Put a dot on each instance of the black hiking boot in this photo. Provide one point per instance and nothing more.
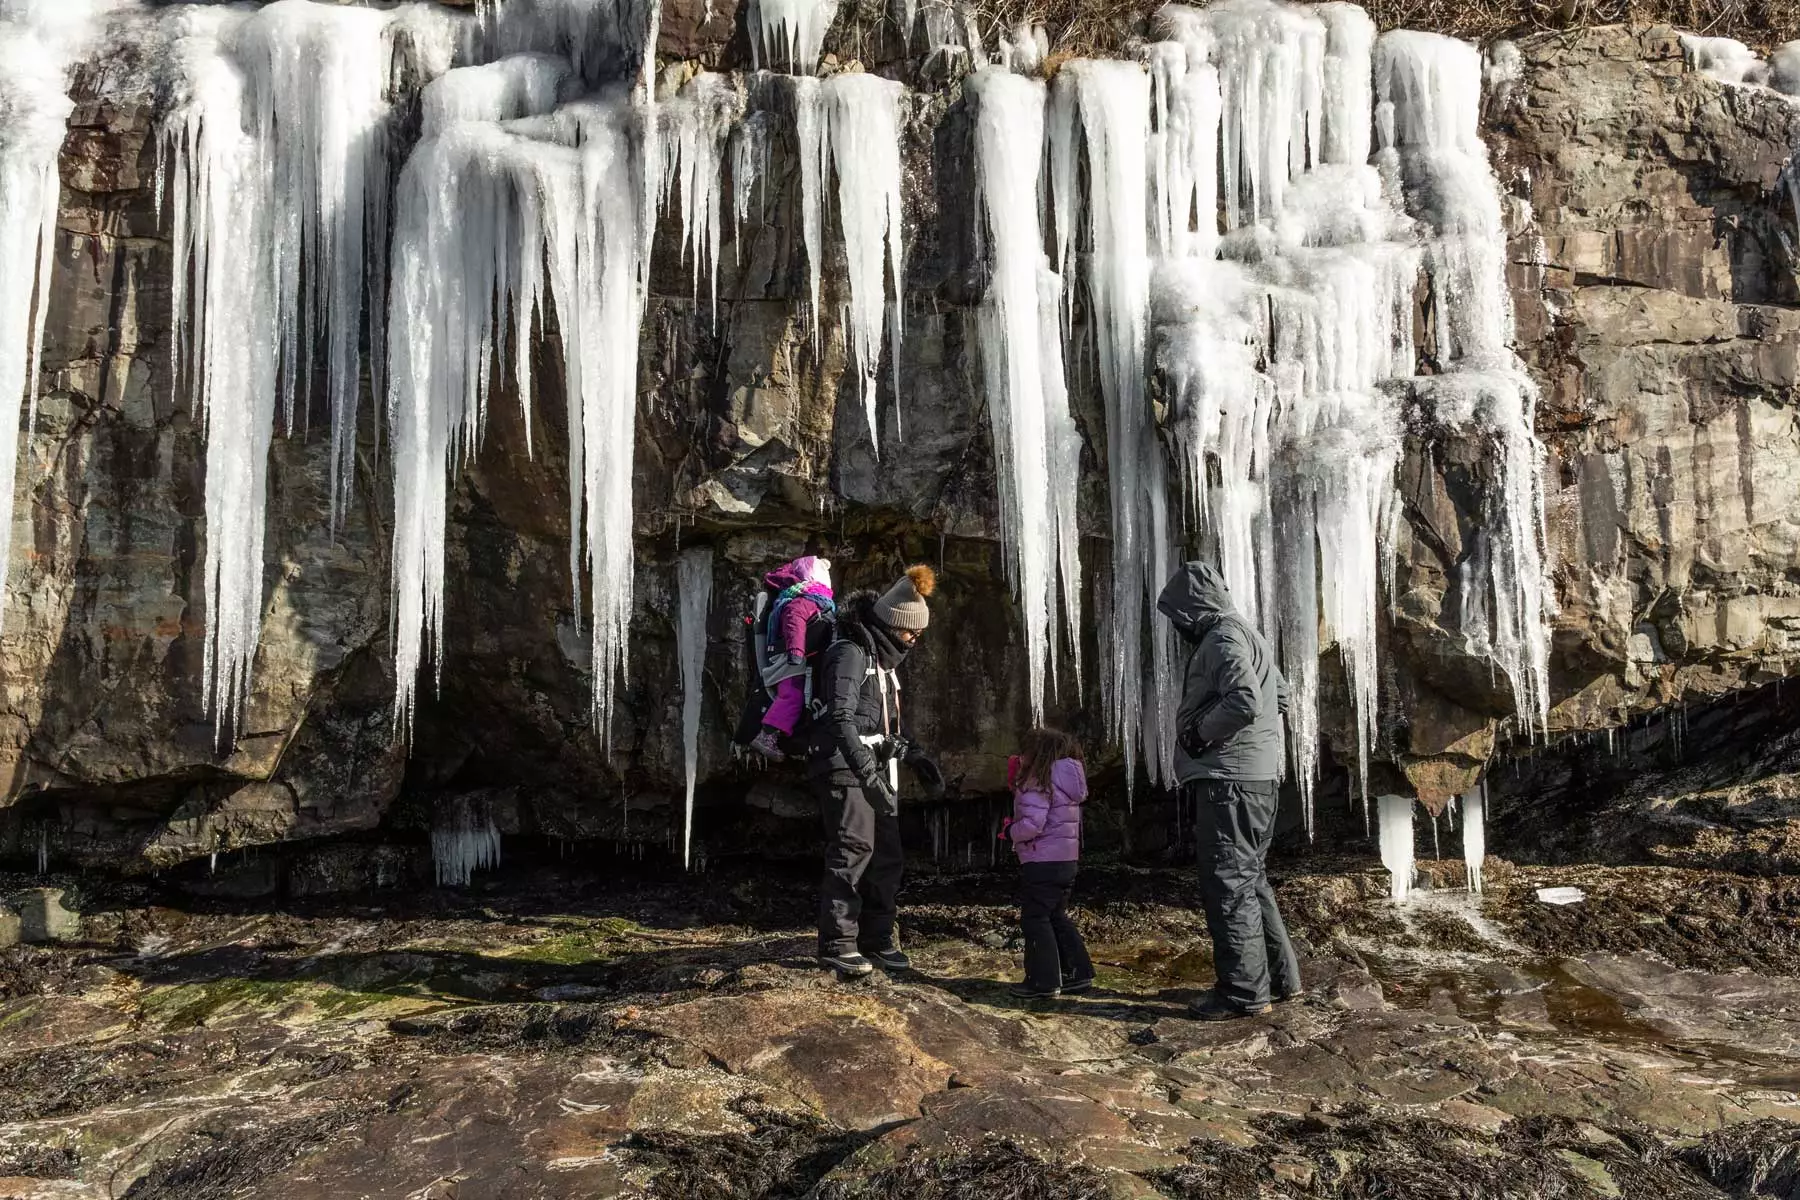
(1214, 1007)
(1030, 991)
(850, 966)
(889, 960)
(1074, 987)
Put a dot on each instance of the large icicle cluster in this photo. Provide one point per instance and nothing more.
(38, 41)
(1230, 232)
(498, 222)
(275, 156)
(1284, 262)
(1036, 444)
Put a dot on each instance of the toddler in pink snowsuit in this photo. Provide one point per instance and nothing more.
(804, 588)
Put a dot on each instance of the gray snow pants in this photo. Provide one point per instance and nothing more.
(859, 892)
(1234, 822)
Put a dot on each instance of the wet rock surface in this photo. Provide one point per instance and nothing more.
(551, 1035)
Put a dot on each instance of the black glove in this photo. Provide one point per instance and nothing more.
(880, 792)
(1191, 742)
(930, 777)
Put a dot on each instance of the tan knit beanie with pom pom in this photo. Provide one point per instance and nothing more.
(903, 605)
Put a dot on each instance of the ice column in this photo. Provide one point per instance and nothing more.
(1428, 89)
(694, 586)
(1036, 443)
(1103, 108)
(848, 127)
(605, 41)
(37, 41)
(1474, 831)
(1395, 814)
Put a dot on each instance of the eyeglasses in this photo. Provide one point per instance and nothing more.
(907, 636)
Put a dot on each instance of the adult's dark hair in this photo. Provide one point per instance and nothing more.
(1043, 747)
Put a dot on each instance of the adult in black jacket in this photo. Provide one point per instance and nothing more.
(852, 762)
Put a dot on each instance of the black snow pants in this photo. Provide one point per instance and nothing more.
(1234, 822)
(859, 892)
(1054, 951)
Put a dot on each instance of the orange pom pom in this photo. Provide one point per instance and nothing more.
(924, 579)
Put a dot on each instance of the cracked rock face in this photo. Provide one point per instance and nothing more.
(1655, 287)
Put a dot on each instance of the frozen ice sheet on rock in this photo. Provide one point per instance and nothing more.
(38, 41)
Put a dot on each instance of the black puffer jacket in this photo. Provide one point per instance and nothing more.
(850, 693)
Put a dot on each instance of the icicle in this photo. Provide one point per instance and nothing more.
(694, 587)
(1395, 814)
(226, 337)
(463, 841)
(37, 43)
(849, 126)
(43, 849)
(789, 33)
(697, 125)
(1036, 442)
(547, 208)
(317, 75)
(1103, 107)
(1474, 824)
(610, 42)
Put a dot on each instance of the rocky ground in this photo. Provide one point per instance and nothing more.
(549, 1033)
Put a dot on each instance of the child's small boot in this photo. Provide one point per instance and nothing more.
(766, 744)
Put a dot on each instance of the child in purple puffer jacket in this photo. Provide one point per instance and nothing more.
(1049, 785)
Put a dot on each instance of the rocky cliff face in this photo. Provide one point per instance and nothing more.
(1654, 277)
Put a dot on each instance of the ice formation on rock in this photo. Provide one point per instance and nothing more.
(276, 155)
(225, 336)
(697, 125)
(1036, 444)
(463, 841)
(603, 40)
(1394, 815)
(1474, 831)
(848, 129)
(495, 220)
(38, 41)
(1277, 341)
(1100, 113)
(1218, 210)
(1428, 106)
(694, 600)
(789, 34)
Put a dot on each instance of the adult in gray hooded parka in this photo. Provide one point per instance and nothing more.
(1229, 760)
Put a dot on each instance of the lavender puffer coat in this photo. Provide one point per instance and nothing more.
(1046, 824)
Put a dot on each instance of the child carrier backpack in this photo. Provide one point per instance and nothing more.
(766, 664)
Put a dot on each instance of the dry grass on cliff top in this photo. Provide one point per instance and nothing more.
(1079, 26)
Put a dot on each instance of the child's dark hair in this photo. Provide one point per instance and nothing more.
(1042, 748)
